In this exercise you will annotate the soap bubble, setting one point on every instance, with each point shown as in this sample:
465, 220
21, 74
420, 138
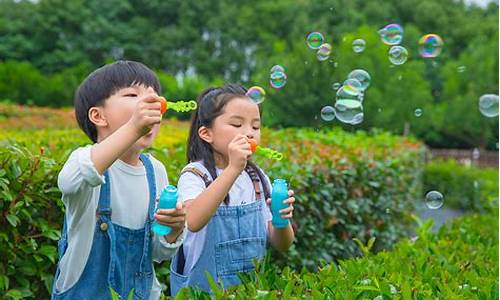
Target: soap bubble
315, 40
418, 112
348, 111
347, 93
391, 34
278, 79
324, 52
353, 85
488, 105
336, 85
362, 76
358, 45
328, 113
277, 68
256, 94
434, 200
430, 45
461, 69
398, 55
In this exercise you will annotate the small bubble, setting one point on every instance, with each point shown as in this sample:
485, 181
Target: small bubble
434, 200
336, 85
461, 69
315, 40
358, 45
430, 45
418, 112
328, 113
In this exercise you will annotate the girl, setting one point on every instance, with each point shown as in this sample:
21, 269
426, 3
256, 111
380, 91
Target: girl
228, 223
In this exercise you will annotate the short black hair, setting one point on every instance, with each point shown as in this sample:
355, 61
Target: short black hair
103, 83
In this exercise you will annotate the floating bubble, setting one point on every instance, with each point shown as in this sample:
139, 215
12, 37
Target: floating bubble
324, 52
418, 112
475, 154
461, 69
398, 55
256, 94
358, 45
393, 289
488, 105
362, 76
430, 45
278, 79
328, 113
379, 297
347, 93
357, 119
336, 85
434, 200
315, 40
277, 68
353, 85
348, 111
391, 34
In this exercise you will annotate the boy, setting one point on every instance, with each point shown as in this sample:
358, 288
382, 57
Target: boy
110, 190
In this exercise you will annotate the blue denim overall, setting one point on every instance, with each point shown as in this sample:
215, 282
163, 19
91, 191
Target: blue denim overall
120, 257
235, 235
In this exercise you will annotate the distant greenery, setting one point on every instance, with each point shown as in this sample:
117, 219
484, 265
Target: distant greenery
47, 47
468, 188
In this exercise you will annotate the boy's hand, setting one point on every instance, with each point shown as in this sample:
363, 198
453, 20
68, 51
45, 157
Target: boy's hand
174, 218
286, 213
239, 151
147, 114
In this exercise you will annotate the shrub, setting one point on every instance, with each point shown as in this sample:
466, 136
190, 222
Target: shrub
468, 188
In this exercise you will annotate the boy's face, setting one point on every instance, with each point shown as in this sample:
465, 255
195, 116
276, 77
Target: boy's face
119, 108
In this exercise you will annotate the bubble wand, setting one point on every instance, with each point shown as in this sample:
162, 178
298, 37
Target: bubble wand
266, 152
179, 106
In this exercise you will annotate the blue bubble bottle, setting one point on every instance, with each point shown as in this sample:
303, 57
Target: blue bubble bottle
279, 194
168, 200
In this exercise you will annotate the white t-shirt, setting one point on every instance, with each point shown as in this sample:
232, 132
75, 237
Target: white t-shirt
80, 184
191, 185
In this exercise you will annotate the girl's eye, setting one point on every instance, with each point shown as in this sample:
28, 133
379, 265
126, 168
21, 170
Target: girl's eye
130, 95
236, 125
256, 128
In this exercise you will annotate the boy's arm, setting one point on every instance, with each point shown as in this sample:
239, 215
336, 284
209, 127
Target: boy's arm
146, 115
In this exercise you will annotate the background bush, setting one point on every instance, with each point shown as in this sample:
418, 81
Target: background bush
468, 188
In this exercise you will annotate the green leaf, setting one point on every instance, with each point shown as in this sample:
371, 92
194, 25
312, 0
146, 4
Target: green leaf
13, 220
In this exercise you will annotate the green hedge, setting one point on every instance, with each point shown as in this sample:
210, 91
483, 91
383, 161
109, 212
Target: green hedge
468, 188
359, 185
459, 262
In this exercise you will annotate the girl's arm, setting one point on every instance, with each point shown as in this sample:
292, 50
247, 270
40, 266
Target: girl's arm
202, 208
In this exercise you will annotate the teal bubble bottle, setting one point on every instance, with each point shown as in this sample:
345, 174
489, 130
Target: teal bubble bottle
279, 194
168, 200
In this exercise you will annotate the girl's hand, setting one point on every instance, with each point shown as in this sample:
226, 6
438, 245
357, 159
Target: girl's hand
174, 218
286, 213
239, 151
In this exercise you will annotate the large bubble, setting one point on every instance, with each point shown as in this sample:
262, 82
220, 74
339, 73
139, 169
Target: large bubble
256, 94
315, 40
324, 52
358, 45
398, 55
391, 34
434, 199
430, 45
278, 79
327, 113
488, 105
349, 111
362, 76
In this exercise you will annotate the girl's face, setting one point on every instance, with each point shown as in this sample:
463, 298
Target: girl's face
240, 116
119, 108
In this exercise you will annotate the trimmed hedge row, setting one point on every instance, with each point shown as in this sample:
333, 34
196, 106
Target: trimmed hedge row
348, 185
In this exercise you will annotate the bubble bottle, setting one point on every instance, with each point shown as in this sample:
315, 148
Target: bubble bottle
168, 200
278, 196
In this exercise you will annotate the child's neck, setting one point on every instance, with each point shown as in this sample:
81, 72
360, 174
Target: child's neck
131, 157
220, 161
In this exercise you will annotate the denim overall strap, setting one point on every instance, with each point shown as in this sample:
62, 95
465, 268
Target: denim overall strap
150, 174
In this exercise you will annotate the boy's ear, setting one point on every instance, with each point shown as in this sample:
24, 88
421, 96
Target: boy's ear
96, 116
205, 134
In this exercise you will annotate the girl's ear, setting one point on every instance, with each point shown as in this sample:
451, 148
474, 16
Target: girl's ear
205, 134
96, 116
